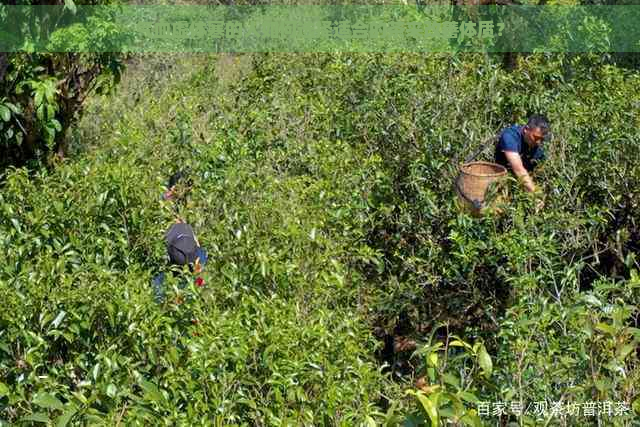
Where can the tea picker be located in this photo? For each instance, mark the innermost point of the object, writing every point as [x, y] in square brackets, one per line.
[519, 148]
[182, 244]
[183, 249]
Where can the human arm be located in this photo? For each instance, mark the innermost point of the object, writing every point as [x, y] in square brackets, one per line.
[519, 170]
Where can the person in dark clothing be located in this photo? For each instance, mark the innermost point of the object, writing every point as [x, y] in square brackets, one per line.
[183, 248]
[519, 148]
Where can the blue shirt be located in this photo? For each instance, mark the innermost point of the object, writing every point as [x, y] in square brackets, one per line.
[512, 139]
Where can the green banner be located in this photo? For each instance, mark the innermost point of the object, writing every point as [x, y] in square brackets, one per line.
[156, 28]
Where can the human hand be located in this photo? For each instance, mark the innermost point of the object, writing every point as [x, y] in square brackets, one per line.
[168, 195]
[197, 267]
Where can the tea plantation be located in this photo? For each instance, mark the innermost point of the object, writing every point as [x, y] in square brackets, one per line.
[344, 285]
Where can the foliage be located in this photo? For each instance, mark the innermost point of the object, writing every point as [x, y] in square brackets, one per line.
[83, 340]
[323, 193]
[442, 392]
[44, 93]
[427, 262]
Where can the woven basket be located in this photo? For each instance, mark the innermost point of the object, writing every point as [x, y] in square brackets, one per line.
[473, 181]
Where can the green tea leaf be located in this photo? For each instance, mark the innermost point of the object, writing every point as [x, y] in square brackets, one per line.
[468, 397]
[16, 225]
[625, 350]
[429, 407]
[56, 322]
[38, 98]
[4, 390]
[485, 361]
[5, 113]
[39, 417]
[48, 401]
[152, 392]
[370, 422]
[64, 419]
[433, 359]
[607, 329]
[12, 107]
[455, 401]
[472, 419]
[111, 390]
[40, 112]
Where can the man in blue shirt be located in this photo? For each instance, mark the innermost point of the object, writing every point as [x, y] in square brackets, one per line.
[519, 148]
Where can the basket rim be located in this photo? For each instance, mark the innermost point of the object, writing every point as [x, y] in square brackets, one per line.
[502, 169]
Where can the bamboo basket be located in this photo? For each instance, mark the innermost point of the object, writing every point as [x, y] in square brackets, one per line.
[473, 181]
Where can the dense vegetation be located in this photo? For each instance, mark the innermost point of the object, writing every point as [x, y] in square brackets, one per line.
[344, 285]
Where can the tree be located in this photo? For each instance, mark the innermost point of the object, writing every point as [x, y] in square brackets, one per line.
[42, 94]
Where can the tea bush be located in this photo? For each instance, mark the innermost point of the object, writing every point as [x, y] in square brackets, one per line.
[83, 340]
[426, 262]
